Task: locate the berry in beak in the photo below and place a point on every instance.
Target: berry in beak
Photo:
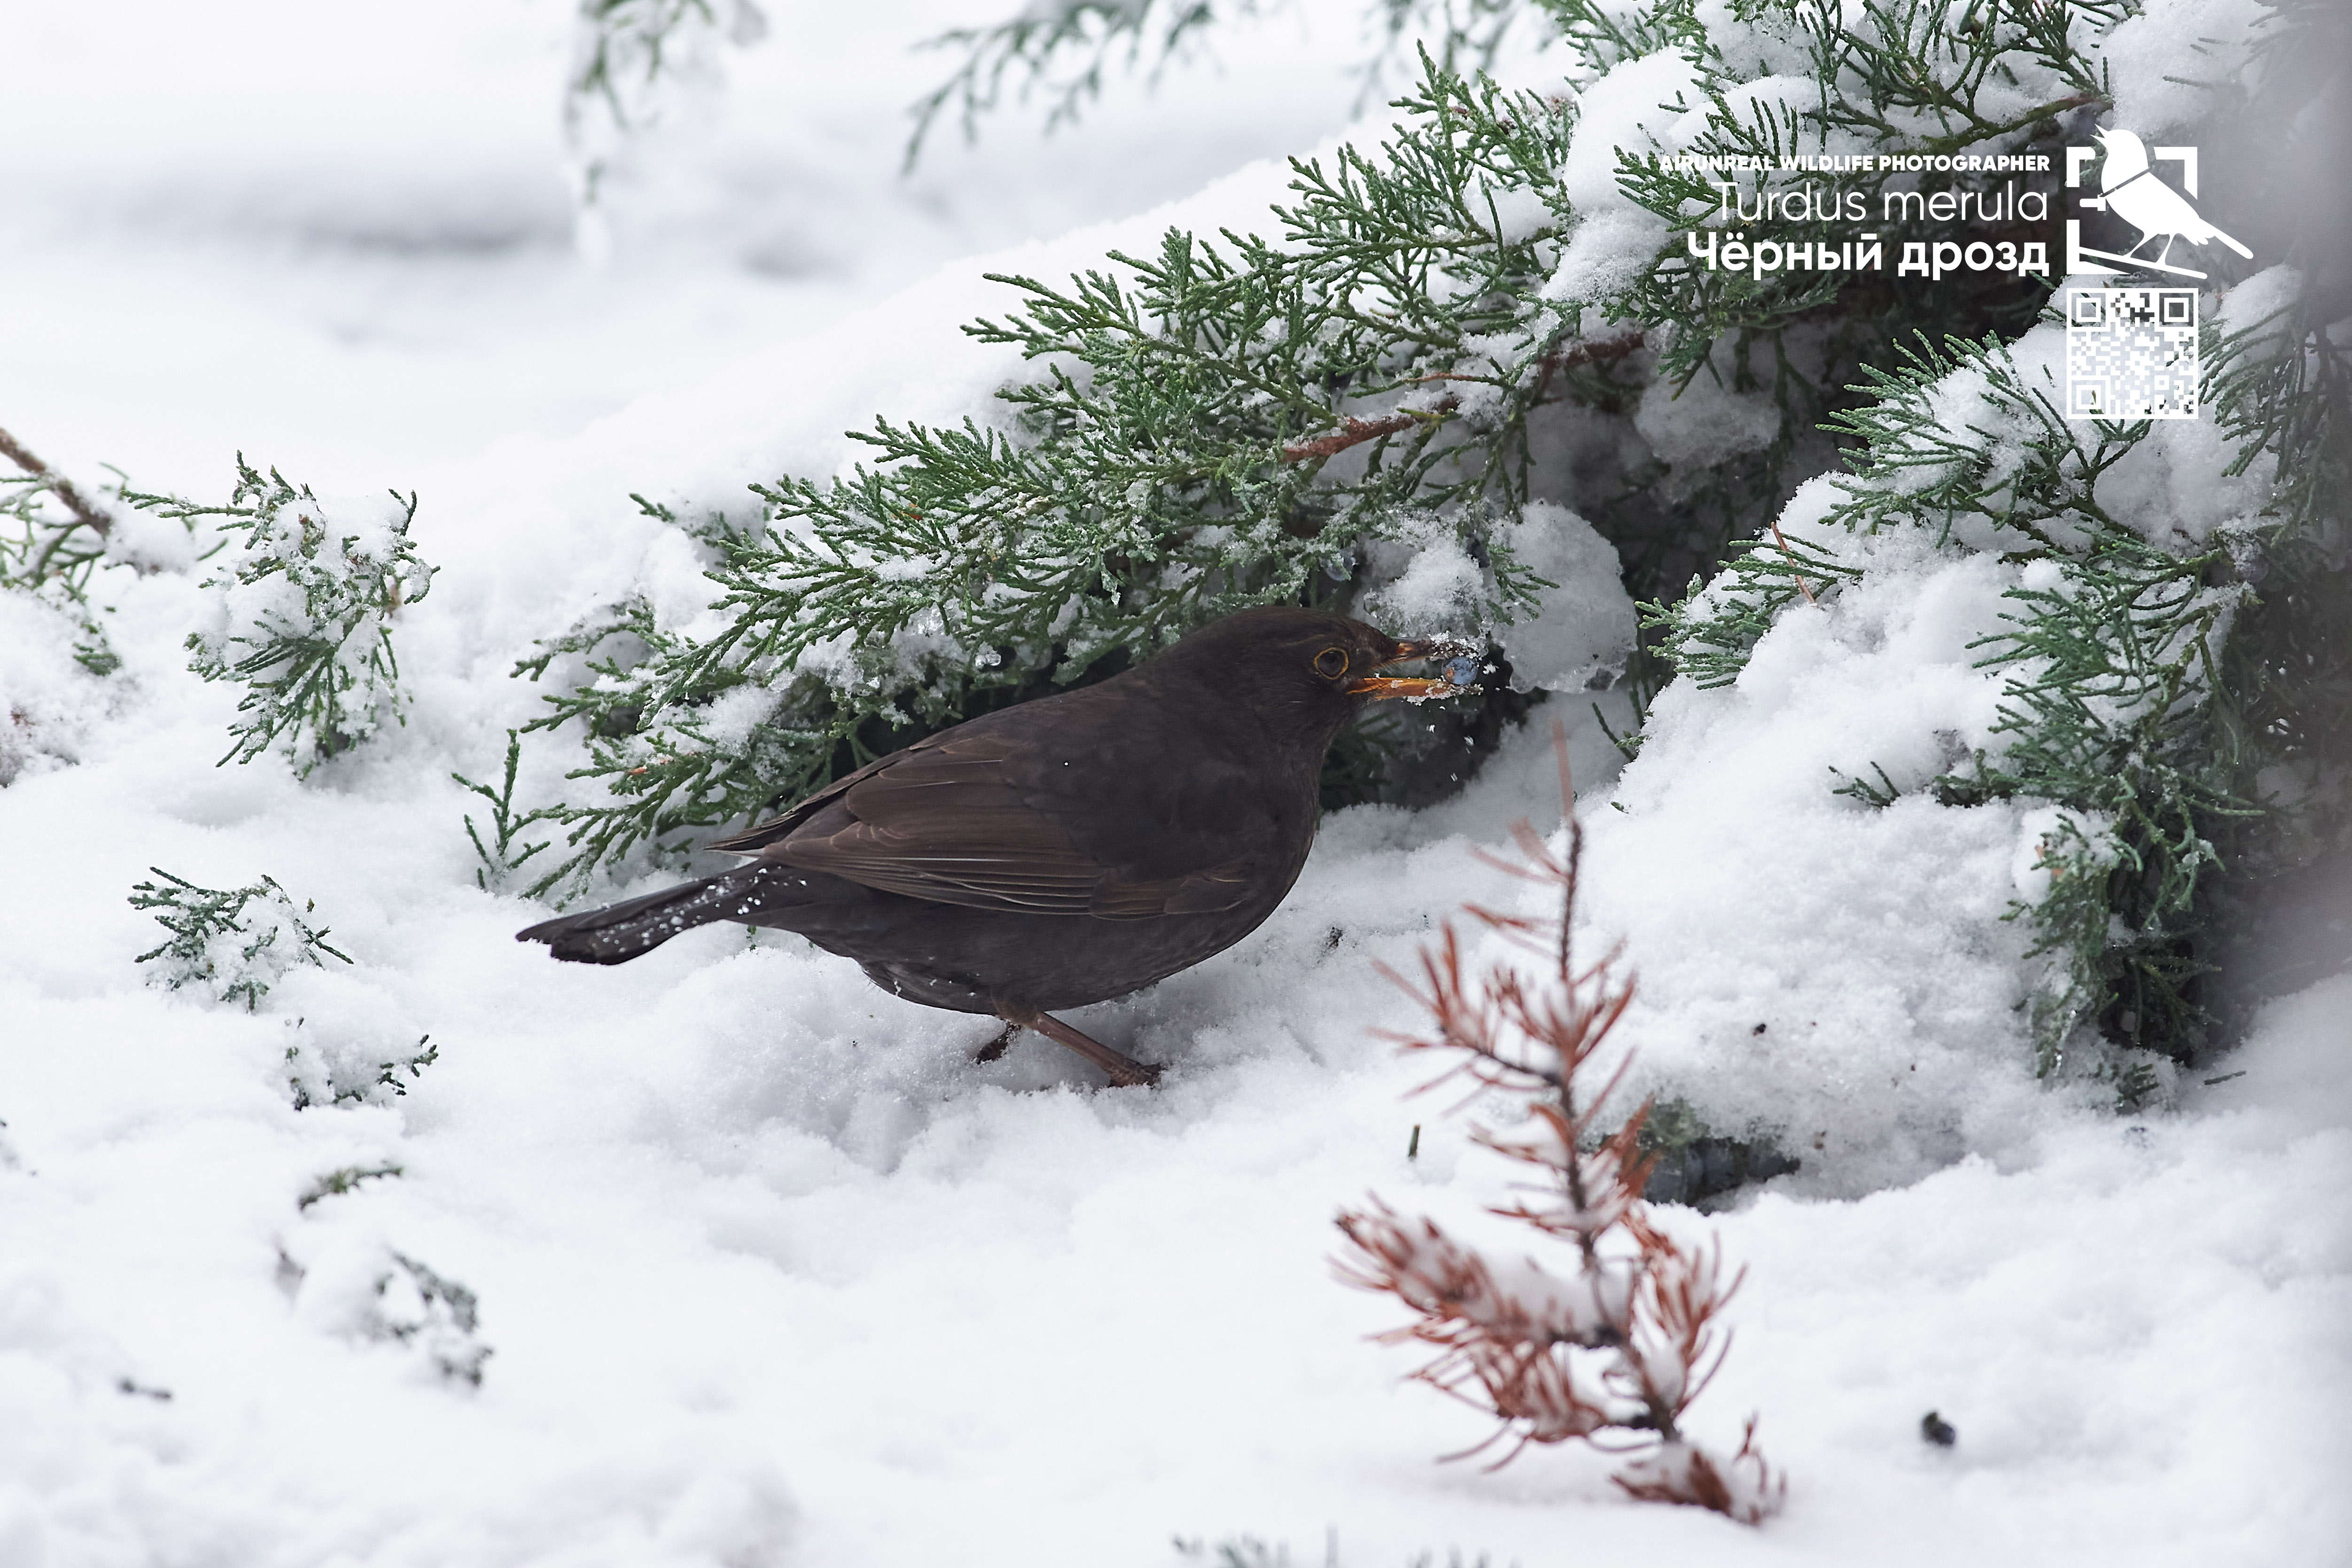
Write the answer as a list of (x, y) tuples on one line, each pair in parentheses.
[(1461, 673)]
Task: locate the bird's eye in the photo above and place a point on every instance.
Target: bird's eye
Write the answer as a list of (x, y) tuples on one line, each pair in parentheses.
[(1331, 663)]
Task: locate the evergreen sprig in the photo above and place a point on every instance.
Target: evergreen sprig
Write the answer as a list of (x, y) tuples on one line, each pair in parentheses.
[(2111, 712), (425, 1309), (53, 541), (347, 1071), (1023, 52), (237, 942), (43, 548), (1060, 49), (504, 852), (302, 615)]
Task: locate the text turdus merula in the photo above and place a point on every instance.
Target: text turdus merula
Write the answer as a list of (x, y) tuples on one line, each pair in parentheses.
[(1063, 851)]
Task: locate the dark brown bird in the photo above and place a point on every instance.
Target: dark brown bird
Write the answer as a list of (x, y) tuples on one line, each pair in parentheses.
[(1064, 851)]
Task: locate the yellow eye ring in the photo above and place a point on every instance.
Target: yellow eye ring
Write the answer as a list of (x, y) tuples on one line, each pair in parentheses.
[(1331, 663)]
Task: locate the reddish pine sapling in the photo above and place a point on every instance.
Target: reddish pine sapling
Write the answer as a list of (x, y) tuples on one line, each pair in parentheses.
[(1614, 1351)]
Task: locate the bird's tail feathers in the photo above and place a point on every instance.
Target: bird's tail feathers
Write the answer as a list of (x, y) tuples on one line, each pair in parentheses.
[(619, 932)]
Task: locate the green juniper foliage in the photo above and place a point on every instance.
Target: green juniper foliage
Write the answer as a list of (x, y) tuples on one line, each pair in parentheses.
[(414, 1305), (2116, 711), (504, 853), (336, 1182), (303, 608), (53, 542), (1060, 50), (2154, 683), (237, 942), (437, 1314), (1028, 47), (47, 545), (344, 1071), (1233, 420), (627, 57)]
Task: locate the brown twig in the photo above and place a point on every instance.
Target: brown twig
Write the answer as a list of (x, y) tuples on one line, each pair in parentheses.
[(1587, 351), (1781, 540), (1619, 1343), (88, 515), (1592, 350), (1354, 432)]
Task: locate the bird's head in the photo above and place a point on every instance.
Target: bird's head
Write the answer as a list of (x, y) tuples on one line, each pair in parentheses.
[(2126, 154), (1315, 667)]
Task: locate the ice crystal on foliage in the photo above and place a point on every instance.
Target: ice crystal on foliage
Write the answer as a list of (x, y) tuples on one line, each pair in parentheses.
[(236, 942), (303, 609)]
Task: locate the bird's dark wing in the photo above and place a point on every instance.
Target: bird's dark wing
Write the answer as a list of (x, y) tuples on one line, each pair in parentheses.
[(759, 835), (989, 820)]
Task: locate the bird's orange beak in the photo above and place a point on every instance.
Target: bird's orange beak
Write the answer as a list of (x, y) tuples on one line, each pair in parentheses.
[(1416, 689)]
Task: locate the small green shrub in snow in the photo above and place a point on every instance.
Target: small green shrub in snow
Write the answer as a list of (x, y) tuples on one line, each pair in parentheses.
[(301, 615), (348, 1069), (357, 1288), (344, 1179), (502, 853), (53, 541), (236, 942), (437, 1315)]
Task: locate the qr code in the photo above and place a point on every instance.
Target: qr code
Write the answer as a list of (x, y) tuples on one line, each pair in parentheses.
[(2131, 353)]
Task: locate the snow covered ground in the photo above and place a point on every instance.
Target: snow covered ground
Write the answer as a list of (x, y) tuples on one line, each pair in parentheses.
[(768, 1272)]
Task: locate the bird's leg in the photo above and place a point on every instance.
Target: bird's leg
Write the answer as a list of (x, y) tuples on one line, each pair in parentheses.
[(997, 1047), (1125, 1071)]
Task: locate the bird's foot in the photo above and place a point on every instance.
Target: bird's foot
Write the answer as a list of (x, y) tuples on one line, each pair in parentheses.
[(1125, 1071), (999, 1046)]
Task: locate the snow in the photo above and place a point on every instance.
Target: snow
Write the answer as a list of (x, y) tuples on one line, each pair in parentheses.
[(49, 700), (767, 1271), (2211, 37), (1700, 422)]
